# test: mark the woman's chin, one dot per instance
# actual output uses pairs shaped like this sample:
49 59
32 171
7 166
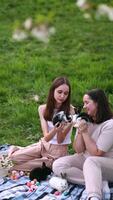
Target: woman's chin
89 114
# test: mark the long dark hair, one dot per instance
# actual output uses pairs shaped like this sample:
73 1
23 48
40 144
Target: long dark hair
104 111
50 105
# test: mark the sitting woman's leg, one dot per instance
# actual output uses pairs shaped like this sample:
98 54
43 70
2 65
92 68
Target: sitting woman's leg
12 149
27 158
24 154
72 166
31 164
96 169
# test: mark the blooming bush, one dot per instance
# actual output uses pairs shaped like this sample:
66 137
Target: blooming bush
5 165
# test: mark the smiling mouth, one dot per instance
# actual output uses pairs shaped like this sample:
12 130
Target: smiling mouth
60 100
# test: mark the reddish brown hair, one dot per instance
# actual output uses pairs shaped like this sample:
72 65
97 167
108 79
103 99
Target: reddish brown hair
50 105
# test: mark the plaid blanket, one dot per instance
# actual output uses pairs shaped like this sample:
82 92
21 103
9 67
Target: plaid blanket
19 190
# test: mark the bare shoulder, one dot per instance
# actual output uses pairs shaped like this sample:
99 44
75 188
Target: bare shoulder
41 108
72 109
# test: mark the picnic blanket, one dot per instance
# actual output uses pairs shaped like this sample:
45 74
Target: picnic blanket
19 190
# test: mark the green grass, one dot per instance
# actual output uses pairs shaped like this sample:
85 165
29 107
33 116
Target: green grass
81 49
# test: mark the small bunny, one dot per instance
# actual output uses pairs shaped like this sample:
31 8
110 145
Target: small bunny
58 183
40 173
62 117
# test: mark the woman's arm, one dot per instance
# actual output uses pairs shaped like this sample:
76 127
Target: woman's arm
78 143
66 127
61 134
47 135
90 144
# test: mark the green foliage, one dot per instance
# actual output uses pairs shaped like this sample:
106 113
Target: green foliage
44 19
81 49
17 24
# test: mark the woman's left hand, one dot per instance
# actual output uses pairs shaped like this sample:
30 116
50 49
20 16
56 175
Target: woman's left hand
59 127
63 131
82 126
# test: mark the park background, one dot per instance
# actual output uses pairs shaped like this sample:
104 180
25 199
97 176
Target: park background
40 40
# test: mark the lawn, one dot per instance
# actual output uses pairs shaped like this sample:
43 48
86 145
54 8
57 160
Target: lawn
81 48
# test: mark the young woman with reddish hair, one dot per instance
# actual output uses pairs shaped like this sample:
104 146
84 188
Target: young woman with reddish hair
55 140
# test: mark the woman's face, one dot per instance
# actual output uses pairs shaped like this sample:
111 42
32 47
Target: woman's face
90 106
60 94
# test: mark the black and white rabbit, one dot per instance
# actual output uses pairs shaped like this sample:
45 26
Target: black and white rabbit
62 117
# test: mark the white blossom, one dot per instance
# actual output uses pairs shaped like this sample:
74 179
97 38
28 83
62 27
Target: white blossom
19 35
105 10
41 33
52 30
87 16
28 24
82 4
5 165
36 98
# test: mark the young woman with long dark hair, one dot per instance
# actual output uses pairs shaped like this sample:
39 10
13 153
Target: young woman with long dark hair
93 161
55 140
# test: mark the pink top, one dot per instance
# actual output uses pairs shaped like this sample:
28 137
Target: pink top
102 134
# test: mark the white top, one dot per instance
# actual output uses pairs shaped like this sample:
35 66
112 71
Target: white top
67 139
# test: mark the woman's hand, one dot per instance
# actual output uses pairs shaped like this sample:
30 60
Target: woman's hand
89 143
78 143
63 131
60 126
82 126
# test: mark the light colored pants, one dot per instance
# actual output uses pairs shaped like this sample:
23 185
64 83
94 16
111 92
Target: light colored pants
90 171
27 158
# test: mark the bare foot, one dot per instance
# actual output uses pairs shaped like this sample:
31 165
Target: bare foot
12 150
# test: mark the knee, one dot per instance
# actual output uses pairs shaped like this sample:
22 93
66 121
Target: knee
89 162
59 166
55 166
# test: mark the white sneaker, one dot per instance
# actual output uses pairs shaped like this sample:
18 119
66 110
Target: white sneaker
94 198
106 190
